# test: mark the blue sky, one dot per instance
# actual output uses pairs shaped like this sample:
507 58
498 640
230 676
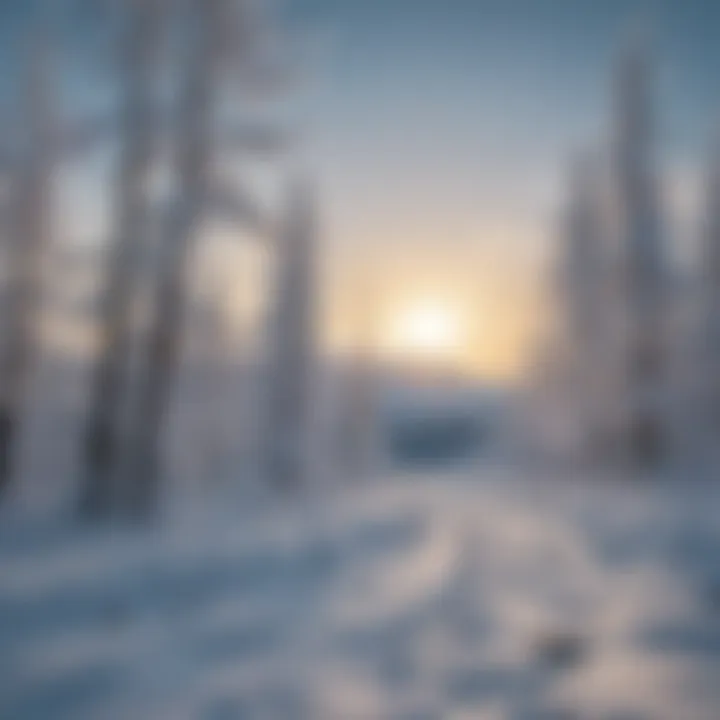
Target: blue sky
441 132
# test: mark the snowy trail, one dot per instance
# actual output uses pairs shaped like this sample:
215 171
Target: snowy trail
418 598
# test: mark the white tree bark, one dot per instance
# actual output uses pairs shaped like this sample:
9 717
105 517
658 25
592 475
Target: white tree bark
30 189
589 342
643 260
708 397
194 150
144 22
288 440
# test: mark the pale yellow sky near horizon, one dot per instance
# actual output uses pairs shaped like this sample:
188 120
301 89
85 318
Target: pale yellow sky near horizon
485 272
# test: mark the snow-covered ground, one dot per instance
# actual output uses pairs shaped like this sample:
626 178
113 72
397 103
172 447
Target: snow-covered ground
474 595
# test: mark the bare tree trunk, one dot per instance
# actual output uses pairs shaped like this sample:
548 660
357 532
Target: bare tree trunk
193 149
102 434
27 244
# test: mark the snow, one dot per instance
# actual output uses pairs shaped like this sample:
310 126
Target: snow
476 594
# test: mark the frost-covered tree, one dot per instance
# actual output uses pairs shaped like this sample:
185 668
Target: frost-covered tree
358 441
28 234
193 146
709 381
642 259
220 52
140 38
583 304
288 438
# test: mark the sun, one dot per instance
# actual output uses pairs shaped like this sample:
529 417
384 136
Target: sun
425 329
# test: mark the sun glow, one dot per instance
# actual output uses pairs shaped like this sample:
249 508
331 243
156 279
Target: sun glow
425 330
